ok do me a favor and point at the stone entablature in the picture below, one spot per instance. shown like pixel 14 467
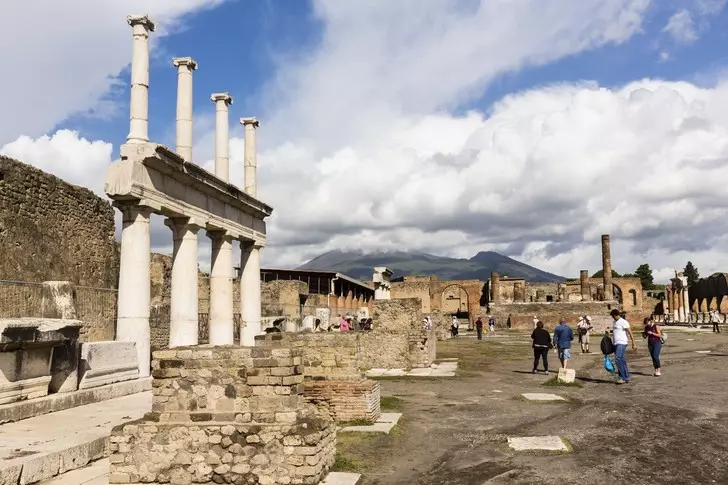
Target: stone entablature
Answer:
pixel 225 415
pixel 153 176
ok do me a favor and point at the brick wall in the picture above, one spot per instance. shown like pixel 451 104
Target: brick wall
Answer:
pixel 225 415
pixel 419 288
pixel 549 313
pixel 51 230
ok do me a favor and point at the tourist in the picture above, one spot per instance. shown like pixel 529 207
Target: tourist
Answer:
pixel 491 324
pixel 563 335
pixel 344 327
pixel 584 328
pixel 454 326
pixel 541 344
pixel 508 322
pixel 622 335
pixel 715 320
pixel 535 321
pixel 653 332
pixel 368 324
pixel 479 328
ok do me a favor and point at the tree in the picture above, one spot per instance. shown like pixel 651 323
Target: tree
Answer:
pixel 691 272
pixel 600 274
pixel 644 273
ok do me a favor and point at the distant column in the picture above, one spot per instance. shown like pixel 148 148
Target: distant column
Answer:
pixel 681 305
pixel 250 292
pixel 250 162
pixel 221 289
pixel 222 135
pixel 185 66
pixel 494 287
pixel 584 280
pixel 139 103
pixel 686 302
pixel 607 268
pixel 183 313
pixel 133 305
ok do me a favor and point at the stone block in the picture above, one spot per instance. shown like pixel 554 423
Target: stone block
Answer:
pixel 107 362
pixel 545 443
pixel 567 376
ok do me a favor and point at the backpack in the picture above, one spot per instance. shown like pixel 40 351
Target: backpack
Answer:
pixel 607 345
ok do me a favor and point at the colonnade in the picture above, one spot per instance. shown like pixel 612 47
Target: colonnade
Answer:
pixel 134 276
pixel 676 298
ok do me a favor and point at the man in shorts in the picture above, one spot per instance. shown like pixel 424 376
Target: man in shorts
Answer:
pixel 563 335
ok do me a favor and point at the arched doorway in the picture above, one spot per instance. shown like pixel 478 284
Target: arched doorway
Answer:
pixel 454 301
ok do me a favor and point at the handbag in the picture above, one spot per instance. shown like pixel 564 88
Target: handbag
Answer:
pixel 663 337
pixel 608 366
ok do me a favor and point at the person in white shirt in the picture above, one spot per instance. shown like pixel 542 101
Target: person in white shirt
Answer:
pixel 622 335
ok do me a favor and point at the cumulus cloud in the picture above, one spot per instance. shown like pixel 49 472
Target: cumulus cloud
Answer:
pixel 65 56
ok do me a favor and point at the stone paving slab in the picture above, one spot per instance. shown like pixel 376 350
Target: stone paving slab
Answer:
pixel 703 351
pixel 546 443
pixel 42 447
pixel 341 478
pixel 443 369
pixel 384 424
pixel 542 396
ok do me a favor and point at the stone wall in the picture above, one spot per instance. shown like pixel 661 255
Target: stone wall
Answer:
pixel 397 340
pixel 549 313
pixel 225 415
pixel 418 288
pixel 51 230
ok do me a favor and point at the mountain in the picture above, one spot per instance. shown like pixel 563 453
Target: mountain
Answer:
pixel 360 265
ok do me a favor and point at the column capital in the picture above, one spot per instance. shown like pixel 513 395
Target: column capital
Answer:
pixel 222 97
pixel 250 121
pixel 141 20
pixel 219 234
pixel 184 61
pixel 182 222
pixel 247 245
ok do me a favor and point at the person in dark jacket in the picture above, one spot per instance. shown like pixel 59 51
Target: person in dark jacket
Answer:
pixel 479 328
pixel 541 342
pixel 563 335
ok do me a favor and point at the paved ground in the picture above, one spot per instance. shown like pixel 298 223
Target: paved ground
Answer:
pixel 667 430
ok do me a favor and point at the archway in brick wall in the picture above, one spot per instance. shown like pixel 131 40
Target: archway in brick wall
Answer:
pixel 470 290
pixel 454 301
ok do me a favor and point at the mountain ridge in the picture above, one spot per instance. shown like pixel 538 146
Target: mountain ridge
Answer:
pixel 359 264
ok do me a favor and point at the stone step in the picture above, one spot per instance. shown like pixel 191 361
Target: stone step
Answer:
pixel 42 447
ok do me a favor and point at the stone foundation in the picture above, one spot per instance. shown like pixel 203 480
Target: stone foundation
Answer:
pixel 225 415
pixel 333 379
pixel 422 348
pixel 107 362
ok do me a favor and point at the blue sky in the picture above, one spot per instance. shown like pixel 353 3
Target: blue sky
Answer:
pixel 445 127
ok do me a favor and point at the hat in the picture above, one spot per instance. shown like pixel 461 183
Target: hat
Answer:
pixel 588 318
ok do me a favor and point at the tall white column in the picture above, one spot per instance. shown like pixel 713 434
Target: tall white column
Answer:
pixel 139 105
pixel 132 321
pixel 183 325
pixel 686 304
pixel 185 66
pixel 221 289
pixel 250 163
pixel 249 292
pixel 222 135
pixel 681 305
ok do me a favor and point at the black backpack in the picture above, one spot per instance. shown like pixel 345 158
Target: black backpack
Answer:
pixel 607 345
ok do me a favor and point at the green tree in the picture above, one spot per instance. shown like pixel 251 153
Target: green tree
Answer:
pixel 644 273
pixel 691 272
pixel 600 274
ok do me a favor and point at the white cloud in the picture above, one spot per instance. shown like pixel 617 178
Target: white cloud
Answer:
pixel 64 56
pixel 681 27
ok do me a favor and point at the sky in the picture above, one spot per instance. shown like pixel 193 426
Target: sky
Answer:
pixel 527 127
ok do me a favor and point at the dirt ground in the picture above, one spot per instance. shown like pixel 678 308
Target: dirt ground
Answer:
pixel 655 430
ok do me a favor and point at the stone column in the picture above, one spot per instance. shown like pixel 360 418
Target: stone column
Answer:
pixel 249 292
pixel 139 105
pixel 681 305
pixel 686 301
pixel 183 324
pixel 185 66
pixel 221 289
pixel 132 321
pixel 584 280
pixel 494 287
pixel 675 306
pixel 222 135
pixel 607 268
pixel 250 163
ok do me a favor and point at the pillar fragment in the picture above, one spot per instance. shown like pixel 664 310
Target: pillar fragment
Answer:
pixel 250 292
pixel 221 289
pixel 139 102
pixel 183 322
pixel 584 280
pixel 222 135
pixel 250 163
pixel 132 321
pixel 185 66
pixel 607 268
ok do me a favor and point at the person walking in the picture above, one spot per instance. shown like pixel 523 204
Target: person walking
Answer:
pixel 535 321
pixel 715 320
pixel 563 335
pixel 479 328
pixel 654 343
pixel 454 326
pixel 584 328
pixel 508 322
pixel 491 324
pixel 541 344
pixel 622 335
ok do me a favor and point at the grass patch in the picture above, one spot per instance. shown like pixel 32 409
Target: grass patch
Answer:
pixel 554 382
pixel 357 422
pixel 391 403
pixel 347 463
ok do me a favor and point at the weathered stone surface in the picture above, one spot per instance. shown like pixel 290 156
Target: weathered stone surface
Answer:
pixel 547 443
pixel 567 376
pixel 540 396
pixel 107 362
